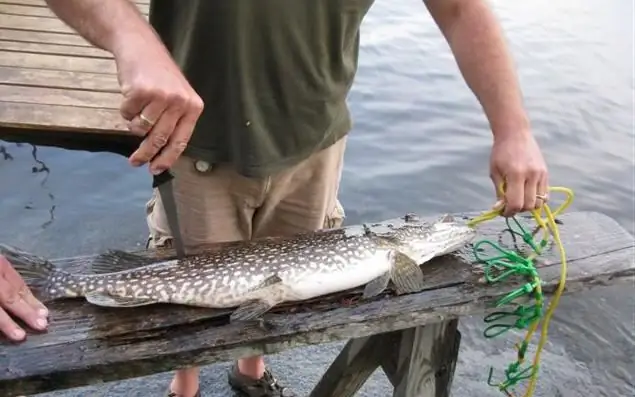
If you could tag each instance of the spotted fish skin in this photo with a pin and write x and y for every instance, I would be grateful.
(256, 275)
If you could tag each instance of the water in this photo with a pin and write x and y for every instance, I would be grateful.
(420, 143)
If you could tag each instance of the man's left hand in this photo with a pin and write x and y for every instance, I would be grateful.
(517, 162)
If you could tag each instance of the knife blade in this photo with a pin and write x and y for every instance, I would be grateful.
(126, 146)
(163, 182)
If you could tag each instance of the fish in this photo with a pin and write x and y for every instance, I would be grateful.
(255, 276)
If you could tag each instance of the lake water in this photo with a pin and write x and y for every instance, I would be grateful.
(420, 143)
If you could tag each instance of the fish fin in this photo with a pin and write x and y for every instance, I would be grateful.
(113, 261)
(376, 286)
(446, 218)
(105, 300)
(250, 310)
(406, 274)
(268, 282)
(254, 308)
(35, 270)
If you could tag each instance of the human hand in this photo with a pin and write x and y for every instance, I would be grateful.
(159, 103)
(516, 161)
(16, 298)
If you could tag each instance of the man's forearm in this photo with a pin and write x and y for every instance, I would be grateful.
(477, 42)
(107, 24)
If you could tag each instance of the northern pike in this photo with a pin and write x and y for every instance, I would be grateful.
(259, 274)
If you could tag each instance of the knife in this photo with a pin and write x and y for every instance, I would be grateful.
(163, 182)
(125, 146)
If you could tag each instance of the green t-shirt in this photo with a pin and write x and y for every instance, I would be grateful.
(274, 75)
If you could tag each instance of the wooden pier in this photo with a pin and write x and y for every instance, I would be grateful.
(57, 90)
(412, 337)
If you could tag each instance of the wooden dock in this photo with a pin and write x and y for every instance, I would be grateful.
(412, 337)
(55, 88)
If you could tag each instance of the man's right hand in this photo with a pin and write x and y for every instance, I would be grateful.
(159, 103)
(16, 298)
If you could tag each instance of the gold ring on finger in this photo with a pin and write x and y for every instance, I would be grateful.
(146, 120)
(542, 197)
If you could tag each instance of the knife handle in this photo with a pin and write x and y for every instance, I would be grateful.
(165, 176)
(128, 145)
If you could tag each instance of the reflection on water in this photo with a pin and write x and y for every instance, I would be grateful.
(420, 143)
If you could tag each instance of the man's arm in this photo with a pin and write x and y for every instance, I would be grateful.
(158, 101)
(476, 40)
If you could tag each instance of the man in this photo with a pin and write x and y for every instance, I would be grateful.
(265, 157)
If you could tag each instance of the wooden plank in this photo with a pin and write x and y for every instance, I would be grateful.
(86, 344)
(29, 24)
(446, 357)
(51, 120)
(56, 96)
(35, 24)
(42, 3)
(57, 62)
(43, 11)
(57, 79)
(24, 36)
(423, 363)
(19, 9)
(354, 365)
(54, 49)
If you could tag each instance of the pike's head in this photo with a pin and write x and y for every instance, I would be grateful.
(422, 240)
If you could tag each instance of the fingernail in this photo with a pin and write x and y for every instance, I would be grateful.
(18, 334)
(135, 163)
(157, 170)
(43, 312)
(41, 323)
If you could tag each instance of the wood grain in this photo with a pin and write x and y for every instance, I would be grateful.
(86, 344)
(57, 62)
(54, 49)
(50, 76)
(20, 9)
(41, 10)
(95, 82)
(418, 361)
(42, 3)
(57, 96)
(35, 24)
(46, 121)
(23, 36)
(443, 357)
(425, 360)
(357, 361)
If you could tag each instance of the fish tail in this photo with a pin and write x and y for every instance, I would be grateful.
(36, 271)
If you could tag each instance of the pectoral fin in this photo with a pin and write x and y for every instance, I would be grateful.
(376, 286)
(263, 297)
(250, 310)
(105, 300)
(406, 274)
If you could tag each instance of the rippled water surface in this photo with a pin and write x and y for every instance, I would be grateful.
(420, 143)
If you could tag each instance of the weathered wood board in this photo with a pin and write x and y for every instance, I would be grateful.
(56, 89)
(418, 361)
(87, 344)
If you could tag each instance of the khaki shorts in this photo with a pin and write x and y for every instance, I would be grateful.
(216, 204)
